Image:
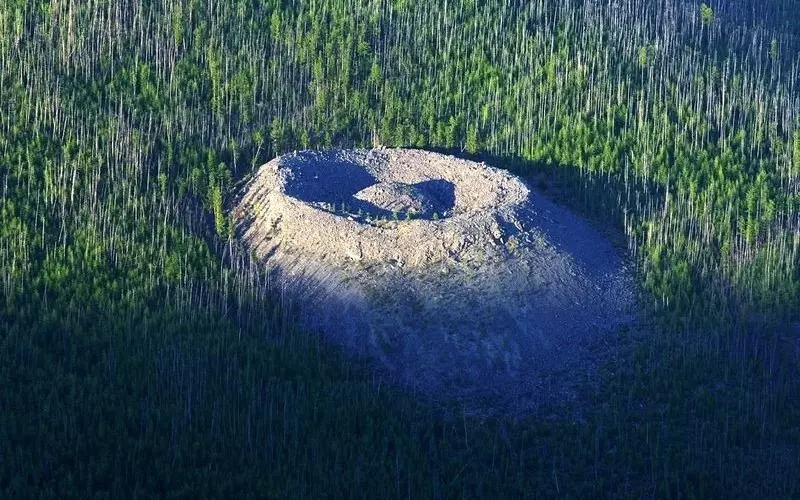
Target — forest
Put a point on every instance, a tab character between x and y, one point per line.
143	353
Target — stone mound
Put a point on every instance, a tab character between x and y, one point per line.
454	277
399	198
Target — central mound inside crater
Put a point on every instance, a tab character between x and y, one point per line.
452	276
425	199
365	186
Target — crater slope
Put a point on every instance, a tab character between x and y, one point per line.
452	276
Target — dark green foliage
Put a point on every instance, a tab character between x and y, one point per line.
142	353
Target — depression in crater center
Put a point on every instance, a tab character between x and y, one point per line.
453	277
348	186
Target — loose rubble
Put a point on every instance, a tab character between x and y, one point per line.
454	277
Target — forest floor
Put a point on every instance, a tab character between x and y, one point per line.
457	279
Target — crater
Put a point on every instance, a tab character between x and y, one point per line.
471	288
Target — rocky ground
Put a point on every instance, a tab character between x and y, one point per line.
454	277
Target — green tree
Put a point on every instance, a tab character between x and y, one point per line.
217	209
177	22
643	59
278	135
213	58
275	24
797	148
451	131
706	14
472	144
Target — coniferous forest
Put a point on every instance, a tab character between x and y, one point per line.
143	353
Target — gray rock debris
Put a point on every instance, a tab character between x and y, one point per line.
454	277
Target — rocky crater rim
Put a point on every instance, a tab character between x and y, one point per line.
409	206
